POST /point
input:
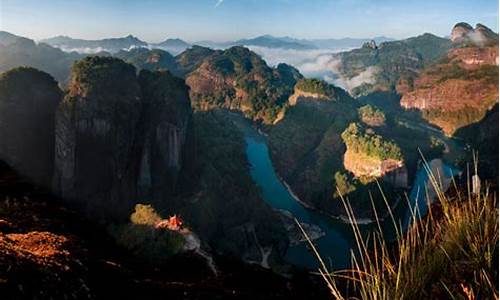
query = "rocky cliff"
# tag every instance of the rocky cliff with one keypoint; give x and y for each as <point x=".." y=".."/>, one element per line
<point x="370" y="156"/>
<point x="166" y="122"/>
<point x="119" y="136"/>
<point x="464" y="35"/>
<point x="379" y="68"/>
<point x="97" y="126"/>
<point x="28" y="101"/>
<point x="361" y="165"/>
<point x="238" y="79"/>
<point x="459" y="89"/>
<point x="306" y="146"/>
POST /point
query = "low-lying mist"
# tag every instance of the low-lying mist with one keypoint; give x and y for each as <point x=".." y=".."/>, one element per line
<point x="317" y="63"/>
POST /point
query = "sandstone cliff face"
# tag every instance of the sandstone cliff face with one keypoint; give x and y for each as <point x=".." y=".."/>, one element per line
<point x="455" y="100"/>
<point x="471" y="58"/>
<point x="299" y="95"/>
<point x="119" y="138"/>
<point x="451" y="95"/>
<point x="389" y="170"/>
<point x="96" y="127"/>
<point x="166" y="120"/>
<point x="28" y="101"/>
<point x="460" y="89"/>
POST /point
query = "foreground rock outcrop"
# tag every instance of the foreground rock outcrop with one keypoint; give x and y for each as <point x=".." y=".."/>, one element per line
<point x="28" y="101"/>
<point x="50" y="252"/>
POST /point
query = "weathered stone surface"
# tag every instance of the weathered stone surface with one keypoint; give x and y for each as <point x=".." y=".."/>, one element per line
<point x="28" y="101"/>
<point x="459" y="90"/>
<point x="96" y="127"/>
<point x="361" y="165"/>
<point x="166" y="122"/>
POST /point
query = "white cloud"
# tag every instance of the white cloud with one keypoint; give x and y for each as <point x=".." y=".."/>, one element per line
<point x="311" y="63"/>
<point x="318" y="63"/>
<point x="367" y="76"/>
<point x="477" y="38"/>
<point x="219" y="2"/>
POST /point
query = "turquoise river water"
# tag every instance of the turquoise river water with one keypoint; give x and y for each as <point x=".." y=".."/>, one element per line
<point x="335" y="246"/>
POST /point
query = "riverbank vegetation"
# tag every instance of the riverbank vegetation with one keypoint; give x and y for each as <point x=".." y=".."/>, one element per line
<point x="452" y="253"/>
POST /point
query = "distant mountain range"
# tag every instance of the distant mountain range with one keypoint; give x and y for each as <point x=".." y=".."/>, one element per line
<point x="286" y="42"/>
<point x="176" y="45"/>
<point x="90" y="46"/>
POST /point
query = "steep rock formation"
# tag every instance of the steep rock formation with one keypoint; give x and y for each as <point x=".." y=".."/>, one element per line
<point x="379" y="68"/>
<point x="306" y="146"/>
<point x="460" y="32"/>
<point x="463" y="34"/>
<point x="96" y="126"/>
<point x="28" y="101"/>
<point x="166" y="119"/>
<point x="392" y="171"/>
<point x="369" y="155"/>
<point x="238" y="79"/>
<point x="458" y="90"/>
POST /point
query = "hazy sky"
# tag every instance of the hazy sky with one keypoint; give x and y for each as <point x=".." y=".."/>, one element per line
<point x="155" y="20"/>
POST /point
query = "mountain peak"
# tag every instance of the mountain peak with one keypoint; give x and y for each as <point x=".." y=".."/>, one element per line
<point x="464" y="34"/>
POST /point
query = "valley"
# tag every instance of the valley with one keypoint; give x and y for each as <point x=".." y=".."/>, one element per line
<point x="209" y="155"/>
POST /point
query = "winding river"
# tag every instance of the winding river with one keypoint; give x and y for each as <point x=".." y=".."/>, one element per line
<point x="335" y="246"/>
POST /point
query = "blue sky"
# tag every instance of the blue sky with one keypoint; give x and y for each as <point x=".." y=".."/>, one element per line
<point x="193" y="20"/>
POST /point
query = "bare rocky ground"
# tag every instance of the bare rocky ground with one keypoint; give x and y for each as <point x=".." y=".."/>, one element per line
<point x="49" y="252"/>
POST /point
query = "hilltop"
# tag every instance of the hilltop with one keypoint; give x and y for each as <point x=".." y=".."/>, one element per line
<point x="379" y="67"/>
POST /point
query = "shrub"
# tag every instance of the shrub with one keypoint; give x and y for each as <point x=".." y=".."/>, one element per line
<point x="366" y="141"/>
<point x="144" y="215"/>
<point x="142" y="239"/>
<point x="316" y="86"/>
<point x="343" y="184"/>
<point x="371" y="115"/>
